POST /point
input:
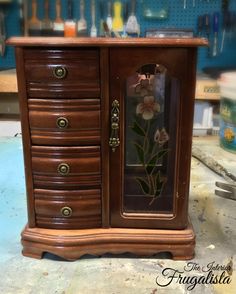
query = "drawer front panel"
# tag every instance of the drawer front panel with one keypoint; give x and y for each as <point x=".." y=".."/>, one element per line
<point x="65" y="122"/>
<point x="77" y="209"/>
<point x="66" y="167"/>
<point x="62" y="73"/>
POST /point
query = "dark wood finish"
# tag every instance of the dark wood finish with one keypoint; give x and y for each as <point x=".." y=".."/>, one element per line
<point x="83" y="116"/>
<point x="84" y="164"/>
<point x="19" y="53"/>
<point x="105" y="149"/>
<point x="85" y="205"/>
<point x="74" y="181"/>
<point x="72" y="244"/>
<point x="81" y="79"/>
<point x="185" y="134"/>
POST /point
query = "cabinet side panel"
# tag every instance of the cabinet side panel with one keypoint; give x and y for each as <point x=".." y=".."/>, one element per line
<point x="19" y="53"/>
<point x="104" y="66"/>
<point x="185" y="135"/>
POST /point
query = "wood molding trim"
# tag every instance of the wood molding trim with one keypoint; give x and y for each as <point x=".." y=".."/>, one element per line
<point x="72" y="244"/>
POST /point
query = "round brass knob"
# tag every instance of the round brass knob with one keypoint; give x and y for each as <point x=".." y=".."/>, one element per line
<point x="63" y="169"/>
<point x="59" y="72"/>
<point x="66" y="211"/>
<point x="62" y="122"/>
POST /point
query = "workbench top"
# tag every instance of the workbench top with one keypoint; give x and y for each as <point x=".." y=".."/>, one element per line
<point x="8" y="82"/>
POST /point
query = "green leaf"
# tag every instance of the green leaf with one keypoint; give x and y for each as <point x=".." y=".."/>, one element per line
<point x="151" y="164"/>
<point x="154" y="159"/>
<point x="144" y="185"/>
<point x="162" y="153"/>
<point x="140" y="152"/>
<point x="138" y="129"/>
<point x="158" y="184"/>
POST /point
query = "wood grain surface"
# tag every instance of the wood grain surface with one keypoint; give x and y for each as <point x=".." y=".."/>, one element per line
<point x="92" y="188"/>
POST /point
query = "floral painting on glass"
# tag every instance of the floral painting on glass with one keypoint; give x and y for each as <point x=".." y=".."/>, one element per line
<point x="147" y="137"/>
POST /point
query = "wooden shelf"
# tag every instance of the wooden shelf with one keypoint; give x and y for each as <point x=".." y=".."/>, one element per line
<point x="8" y="81"/>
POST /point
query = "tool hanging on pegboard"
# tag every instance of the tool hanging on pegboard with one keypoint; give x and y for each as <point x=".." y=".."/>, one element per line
<point x="228" y="23"/>
<point x="2" y="34"/>
<point x="207" y="30"/>
<point x="216" y="17"/>
<point x="208" y="26"/>
<point x="3" y="4"/>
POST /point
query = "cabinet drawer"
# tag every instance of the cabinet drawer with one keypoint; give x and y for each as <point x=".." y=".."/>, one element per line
<point x="64" y="122"/>
<point x="77" y="209"/>
<point x="66" y="167"/>
<point x="62" y="73"/>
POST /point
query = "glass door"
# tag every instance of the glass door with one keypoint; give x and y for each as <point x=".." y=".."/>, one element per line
<point x="148" y="144"/>
<point x="144" y="109"/>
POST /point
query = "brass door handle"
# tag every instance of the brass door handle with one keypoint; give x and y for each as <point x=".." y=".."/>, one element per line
<point x="66" y="211"/>
<point x="63" y="169"/>
<point x="59" y="72"/>
<point x="114" y="141"/>
<point x="62" y="122"/>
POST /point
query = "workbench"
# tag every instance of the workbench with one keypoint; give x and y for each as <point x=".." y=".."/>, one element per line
<point x="8" y="82"/>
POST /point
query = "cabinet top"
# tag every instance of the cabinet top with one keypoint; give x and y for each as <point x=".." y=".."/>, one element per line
<point x="106" y="42"/>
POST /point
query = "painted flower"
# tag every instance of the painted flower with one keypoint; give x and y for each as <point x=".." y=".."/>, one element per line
<point x="144" y="87"/>
<point x="161" y="137"/>
<point x="148" y="107"/>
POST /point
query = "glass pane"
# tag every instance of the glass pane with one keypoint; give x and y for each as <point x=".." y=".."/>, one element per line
<point x="149" y="147"/>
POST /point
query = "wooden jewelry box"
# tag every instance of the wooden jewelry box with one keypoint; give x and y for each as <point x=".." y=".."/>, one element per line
<point x="107" y="131"/>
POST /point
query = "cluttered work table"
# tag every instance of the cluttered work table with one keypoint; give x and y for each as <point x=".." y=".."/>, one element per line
<point x="213" y="216"/>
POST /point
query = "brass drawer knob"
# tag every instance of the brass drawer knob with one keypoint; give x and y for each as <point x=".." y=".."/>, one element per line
<point x="62" y="122"/>
<point x="59" y="72"/>
<point x="63" y="169"/>
<point x="66" y="211"/>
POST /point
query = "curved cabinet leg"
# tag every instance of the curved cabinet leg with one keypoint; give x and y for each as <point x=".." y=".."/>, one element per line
<point x="32" y="252"/>
<point x="184" y="253"/>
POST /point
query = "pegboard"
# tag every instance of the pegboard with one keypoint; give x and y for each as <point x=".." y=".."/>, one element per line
<point x="12" y="25"/>
<point x="187" y="18"/>
<point x="178" y="17"/>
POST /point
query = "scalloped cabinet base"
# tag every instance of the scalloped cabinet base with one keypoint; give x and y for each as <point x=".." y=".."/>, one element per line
<point x="72" y="244"/>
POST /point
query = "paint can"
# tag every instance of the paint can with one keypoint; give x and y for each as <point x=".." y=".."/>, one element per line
<point x="227" y="84"/>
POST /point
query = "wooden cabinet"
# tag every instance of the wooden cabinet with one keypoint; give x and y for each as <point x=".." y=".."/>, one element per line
<point x="107" y="128"/>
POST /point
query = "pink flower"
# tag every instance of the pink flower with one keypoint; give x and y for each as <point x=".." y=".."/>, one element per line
<point x="161" y="137"/>
<point x="144" y="87"/>
<point x="148" y="107"/>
